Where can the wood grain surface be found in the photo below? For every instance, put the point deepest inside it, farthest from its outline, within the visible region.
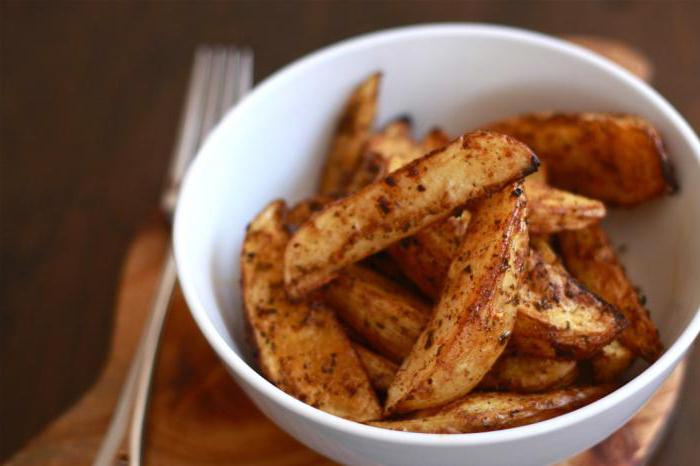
(90, 95)
(198, 414)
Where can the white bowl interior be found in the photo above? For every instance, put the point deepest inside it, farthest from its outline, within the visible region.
(458, 77)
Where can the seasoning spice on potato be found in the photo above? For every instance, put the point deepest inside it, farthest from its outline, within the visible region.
(618, 159)
(421, 193)
(300, 345)
(424, 273)
(592, 260)
(471, 324)
(528, 374)
(486, 411)
(557, 317)
(379, 369)
(350, 137)
(388, 317)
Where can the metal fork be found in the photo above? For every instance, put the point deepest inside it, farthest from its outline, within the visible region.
(220, 77)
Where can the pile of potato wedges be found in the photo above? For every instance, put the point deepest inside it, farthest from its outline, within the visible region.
(456, 285)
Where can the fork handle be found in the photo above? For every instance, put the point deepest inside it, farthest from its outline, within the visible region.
(151, 343)
(133, 399)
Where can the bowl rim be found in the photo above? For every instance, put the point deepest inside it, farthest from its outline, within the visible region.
(665, 363)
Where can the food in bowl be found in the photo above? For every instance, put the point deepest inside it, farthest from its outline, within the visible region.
(455, 286)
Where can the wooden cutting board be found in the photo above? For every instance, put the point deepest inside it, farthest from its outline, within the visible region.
(198, 414)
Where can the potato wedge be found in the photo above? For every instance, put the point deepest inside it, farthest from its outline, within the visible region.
(612, 361)
(480, 412)
(388, 317)
(557, 317)
(351, 135)
(393, 142)
(618, 159)
(426, 256)
(301, 346)
(512, 372)
(590, 257)
(527, 374)
(379, 369)
(406, 201)
(471, 323)
(551, 210)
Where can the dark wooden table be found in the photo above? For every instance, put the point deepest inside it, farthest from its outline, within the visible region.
(90, 97)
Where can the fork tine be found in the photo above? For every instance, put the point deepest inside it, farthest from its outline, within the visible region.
(190, 122)
(231, 79)
(245, 82)
(213, 100)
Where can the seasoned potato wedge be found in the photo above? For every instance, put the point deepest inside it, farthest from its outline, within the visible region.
(527, 374)
(551, 210)
(385, 151)
(379, 369)
(388, 317)
(512, 372)
(618, 159)
(406, 201)
(612, 361)
(351, 135)
(425, 257)
(480, 412)
(590, 257)
(301, 346)
(471, 323)
(557, 317)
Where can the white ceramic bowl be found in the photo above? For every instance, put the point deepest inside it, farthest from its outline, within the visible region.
(457, 76)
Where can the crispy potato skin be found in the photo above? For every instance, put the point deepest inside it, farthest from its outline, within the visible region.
(557, 317)
(590, 257)
(551, 210)
(388, 317)
(425, 256)
(512, 372)
(618, 159)
(393, 142)
(527, 374)
(379, 369)
(301, 346)
(350, 137)
(486, 411)
(471, 323)
(611, 362)
(415, 196)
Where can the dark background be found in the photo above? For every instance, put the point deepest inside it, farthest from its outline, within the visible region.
(91, 95)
